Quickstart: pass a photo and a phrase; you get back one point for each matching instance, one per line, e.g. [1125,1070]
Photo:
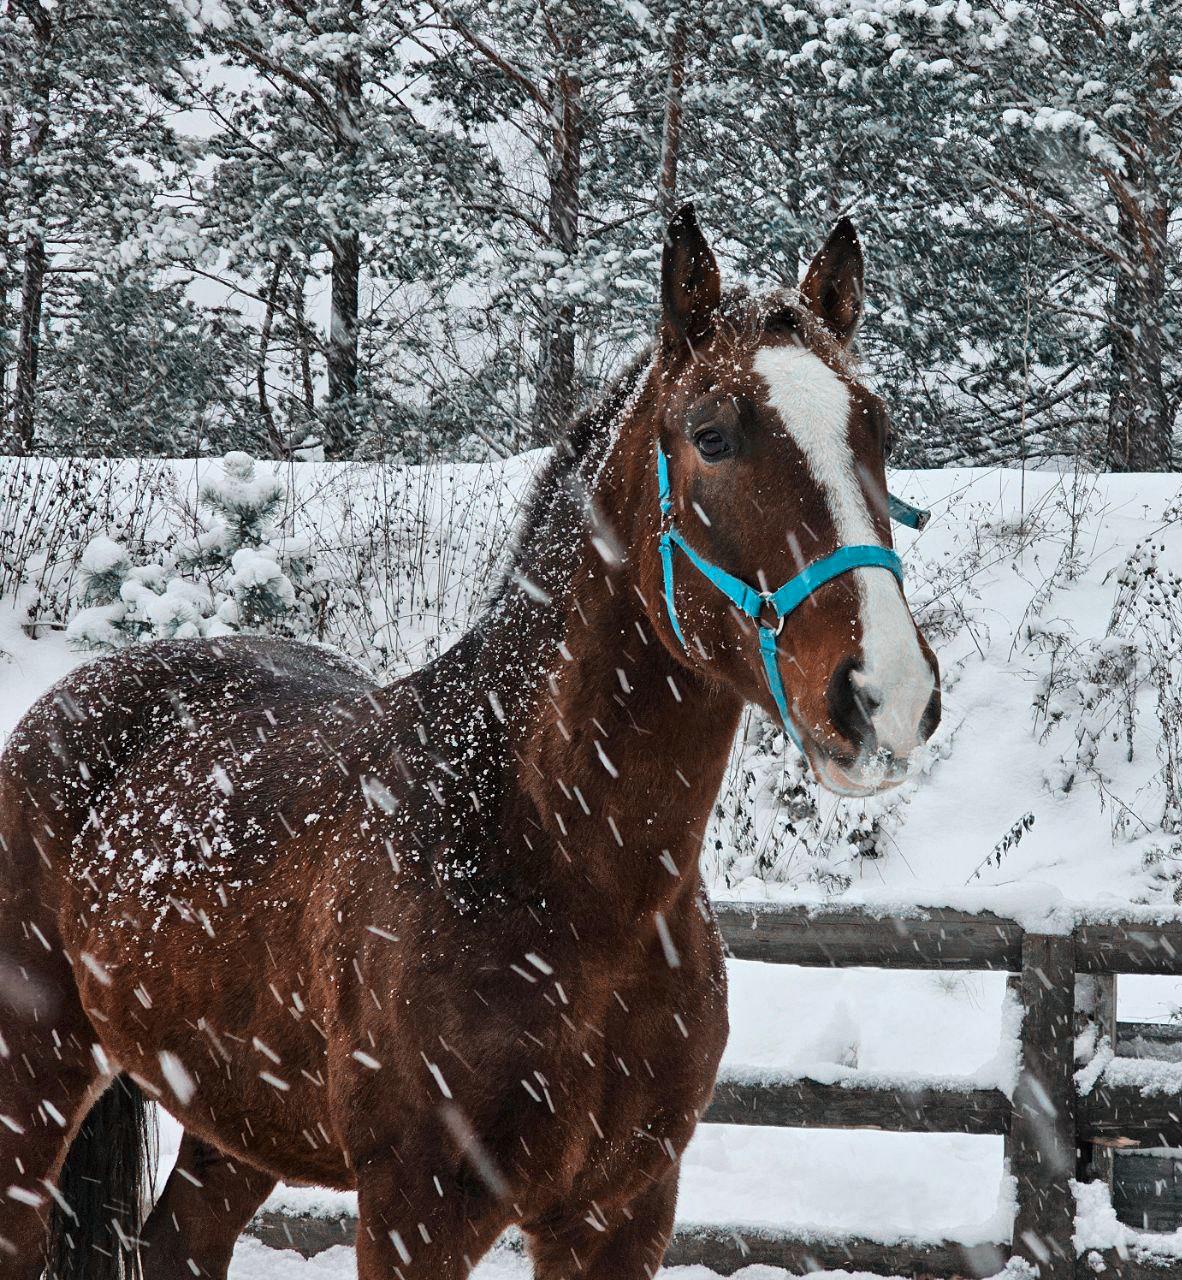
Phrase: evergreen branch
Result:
[266,63]
[1060,223]
[490,54]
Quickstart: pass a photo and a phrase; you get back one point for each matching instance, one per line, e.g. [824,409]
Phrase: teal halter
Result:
[790,596]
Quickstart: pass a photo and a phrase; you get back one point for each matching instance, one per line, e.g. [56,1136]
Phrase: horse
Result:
[444,941]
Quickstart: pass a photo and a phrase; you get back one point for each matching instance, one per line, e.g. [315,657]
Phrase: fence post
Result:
[1095,1004]
[1042,1133]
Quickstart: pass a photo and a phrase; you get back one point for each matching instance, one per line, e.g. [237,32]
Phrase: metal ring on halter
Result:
[767,598]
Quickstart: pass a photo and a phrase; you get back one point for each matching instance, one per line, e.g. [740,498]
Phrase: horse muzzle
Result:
[884,733]
[864,775]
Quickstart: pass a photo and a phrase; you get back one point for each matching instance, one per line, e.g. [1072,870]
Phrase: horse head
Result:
[777,574]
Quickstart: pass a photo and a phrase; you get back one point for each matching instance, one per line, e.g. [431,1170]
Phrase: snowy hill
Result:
[1052,600]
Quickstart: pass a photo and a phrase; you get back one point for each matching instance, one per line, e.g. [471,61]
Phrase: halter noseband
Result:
[755,604]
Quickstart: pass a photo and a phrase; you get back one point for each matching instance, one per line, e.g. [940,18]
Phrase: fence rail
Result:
[903,1106]
[935,938]
[1053,1134]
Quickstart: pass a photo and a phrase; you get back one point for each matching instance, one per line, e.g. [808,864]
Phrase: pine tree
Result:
[326,168]
[551,92]
[244,550]
[239,573]
[85,146]
[480,190]
[1065,129]
[140,369]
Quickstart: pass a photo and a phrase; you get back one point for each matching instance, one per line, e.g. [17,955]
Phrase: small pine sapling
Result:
[245,509]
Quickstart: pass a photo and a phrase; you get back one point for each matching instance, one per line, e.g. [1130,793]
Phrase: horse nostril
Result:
[852,704]
[866,695]
[931,716]
[893,767]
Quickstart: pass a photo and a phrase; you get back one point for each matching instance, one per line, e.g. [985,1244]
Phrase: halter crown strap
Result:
[784,601]
[904,513]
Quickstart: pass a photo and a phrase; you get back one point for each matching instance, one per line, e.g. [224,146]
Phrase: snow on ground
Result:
[252,1261]
[1016,579]
[1019,577]
[1000,569]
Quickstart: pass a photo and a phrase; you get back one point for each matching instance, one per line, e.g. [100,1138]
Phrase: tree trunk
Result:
[278,445]
[342,408]
[342,345]
[5,249]
[35,263]
[671,134]
[28,343]
[554,406]
[304,334]
[1140,416]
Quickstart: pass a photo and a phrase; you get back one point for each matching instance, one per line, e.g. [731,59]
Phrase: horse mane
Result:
[557,503]
[592,429]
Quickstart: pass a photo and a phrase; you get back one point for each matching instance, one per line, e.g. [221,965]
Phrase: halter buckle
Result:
[778,626]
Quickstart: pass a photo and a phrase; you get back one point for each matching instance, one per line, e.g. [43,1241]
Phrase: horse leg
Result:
[48,1082]
[438,1230]
[38,1126]
[207,1201]
[624,1241]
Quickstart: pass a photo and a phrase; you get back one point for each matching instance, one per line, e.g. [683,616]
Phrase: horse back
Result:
[80,739]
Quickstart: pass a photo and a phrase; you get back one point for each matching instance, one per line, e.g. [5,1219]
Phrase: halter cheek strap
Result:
[755,604]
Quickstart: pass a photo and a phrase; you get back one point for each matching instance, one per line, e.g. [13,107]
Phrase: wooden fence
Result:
[1052,1134]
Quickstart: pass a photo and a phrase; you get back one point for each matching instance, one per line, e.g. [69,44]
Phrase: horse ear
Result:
[690,283]
[833,284]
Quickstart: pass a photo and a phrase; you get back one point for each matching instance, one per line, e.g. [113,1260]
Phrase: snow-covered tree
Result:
[328,167]
[397,230]
[1056,131]
[560,98]
[243,546]
[138,368]
[86,149]
[124,603]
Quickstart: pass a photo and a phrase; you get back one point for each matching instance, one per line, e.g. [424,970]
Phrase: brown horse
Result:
[445,941]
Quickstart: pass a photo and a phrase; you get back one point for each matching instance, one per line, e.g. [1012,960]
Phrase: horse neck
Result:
[618,747]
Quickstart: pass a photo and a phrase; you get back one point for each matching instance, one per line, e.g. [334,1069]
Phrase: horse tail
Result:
[103,1191]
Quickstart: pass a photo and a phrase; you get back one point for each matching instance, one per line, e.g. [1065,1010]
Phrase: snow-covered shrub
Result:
[387,563]
[245,508]
[230,576]
[126,602]
[111,589]
[262,591]
[1101,689]
[50,509]
[105,566]
[268,577]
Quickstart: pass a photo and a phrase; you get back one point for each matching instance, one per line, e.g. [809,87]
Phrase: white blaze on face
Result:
[814,404]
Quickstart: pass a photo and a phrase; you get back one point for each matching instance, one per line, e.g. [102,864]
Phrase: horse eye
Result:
[880,424]
[888,437]
[712,445]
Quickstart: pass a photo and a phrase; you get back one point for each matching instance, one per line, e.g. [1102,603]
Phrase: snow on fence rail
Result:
[1060,1127]
[938,938]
